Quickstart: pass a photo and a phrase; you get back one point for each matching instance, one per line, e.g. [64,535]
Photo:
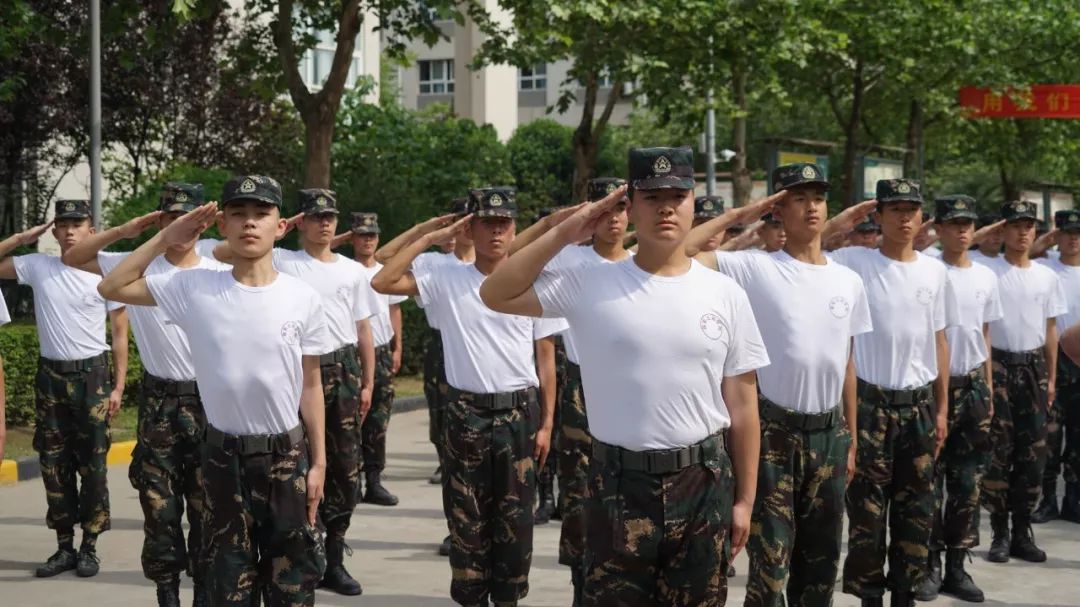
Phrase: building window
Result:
[316,63]
[533,78]
[437,77]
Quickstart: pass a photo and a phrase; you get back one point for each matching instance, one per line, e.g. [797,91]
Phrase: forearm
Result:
[313,412]
[517,274]
[744,437]
[699,236]
[87,249]
[941,384]
[131,268]
[10,243]
[988,366]
[545,366]
[366,347]
[395,322]
[395,267]
[1051,349]
[120,353]
[223,253]
[393,247]
[531,233]
[851,400]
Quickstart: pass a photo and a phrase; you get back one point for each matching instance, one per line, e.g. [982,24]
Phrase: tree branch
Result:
[283,40]
[348,27]
[609,106]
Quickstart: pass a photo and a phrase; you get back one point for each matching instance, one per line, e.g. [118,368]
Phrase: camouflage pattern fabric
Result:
[378,418]
[490,476]
[574,454]
[435,388]
[341,392]
[963,460]
[894,469]
[658,539]
[72,436]
[256,538]
[1018,438]
[166,470]
[798,519]
[1061,426]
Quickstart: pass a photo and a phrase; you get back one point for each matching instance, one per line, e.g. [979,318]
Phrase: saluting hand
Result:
[446,234]
[134,227]
[984,232]
[189,226]
[580,220]
[290,224]
[29,237]
[436,223]
[846,220]
[316,479]
[759,208]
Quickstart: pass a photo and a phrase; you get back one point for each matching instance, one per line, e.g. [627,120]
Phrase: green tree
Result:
[542,163]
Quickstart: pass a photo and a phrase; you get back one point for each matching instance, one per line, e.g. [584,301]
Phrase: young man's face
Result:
[70,232]
[1068,243]
[491,235]
[993,241]
[803,213]
[715,240]
[899,221]
[251,227]
[319,229]
[1019,235]
[864,239]
[956,235]
[364,245]
[773,236]
[611,228]
[662,216]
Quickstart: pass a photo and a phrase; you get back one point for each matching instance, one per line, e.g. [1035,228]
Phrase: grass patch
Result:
[408,385]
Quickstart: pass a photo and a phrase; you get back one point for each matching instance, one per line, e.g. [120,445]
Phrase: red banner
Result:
[1036,101]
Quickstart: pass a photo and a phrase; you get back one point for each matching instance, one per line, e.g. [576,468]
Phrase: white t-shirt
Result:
[654,349]
[569,257]
[1029,296]
[5,316]
[972,300]
[979,257]
[382,331]
[344,286]
[932,251]
[1070,284]
[163,347]
[70,313]
[486,352]
[423,264]
[907,307]
[807,315]
[247,344]
[205,247]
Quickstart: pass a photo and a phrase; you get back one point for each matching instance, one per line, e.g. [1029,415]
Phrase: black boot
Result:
[957,582]
[901,598]
[62,560]
[874,602]
[931,584]
[577,578]
[88,563]
[202,597]
[336,577]
[168,593]
[376,493]
[1047,510]
[436,478]
[547,499]
[1023,543]
[999,544]
[444,547]
[1070,506]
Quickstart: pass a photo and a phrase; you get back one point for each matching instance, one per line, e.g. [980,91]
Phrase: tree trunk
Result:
[851,136]
[742,184]
[318,137]
[1009,191]
[914,140]
[586,139]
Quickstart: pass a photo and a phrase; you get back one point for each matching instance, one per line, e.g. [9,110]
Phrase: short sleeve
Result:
[365,301]
[171,292]
[316,338]
[860,314]
[992,311]
[737,265]
[546,327]
[205,247]
[1056,303]
[108,261]
[558,291]
[5,316]
[396,299]
[432,292]
[746,352]
[846,256]
[26,267]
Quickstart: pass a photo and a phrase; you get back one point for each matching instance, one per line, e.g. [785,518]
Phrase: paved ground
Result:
[395,550]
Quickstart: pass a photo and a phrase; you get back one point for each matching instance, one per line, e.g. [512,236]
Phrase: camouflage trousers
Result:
[574,454]
[341,393]
[658,539]
[435,388]
[546,477]
[1018,435]
[166,470]
[490,479]
[893,484]
[1063,427]
[798,519]
[373,430]
[960,467]
[256,538]
[71,435]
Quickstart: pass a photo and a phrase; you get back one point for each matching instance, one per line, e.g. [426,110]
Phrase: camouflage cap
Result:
[258,188]
[317,201]
[459,206]
[661,168]
[735,229]
[365,223]
[1018,209]
[898,190]
[769,218]
[72,209]
[180,197]
[796,175]
[867,225]
[600,187]
[957,206]
[493,202]
[1067,221]
[707,207]
[986,219]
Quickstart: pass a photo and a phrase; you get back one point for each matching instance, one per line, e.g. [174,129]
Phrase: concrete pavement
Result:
[394,550]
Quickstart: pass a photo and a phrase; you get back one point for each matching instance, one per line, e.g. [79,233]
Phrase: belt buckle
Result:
[661,462]
[255,443]
[503,401]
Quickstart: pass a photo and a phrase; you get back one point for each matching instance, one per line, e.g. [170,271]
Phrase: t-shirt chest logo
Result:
[924,296]
[90,300]
[711,326]
[980,296]
[343,292]
[290,332]
[839,306]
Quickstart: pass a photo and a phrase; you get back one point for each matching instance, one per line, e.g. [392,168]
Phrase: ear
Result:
[220,220]
[281,223]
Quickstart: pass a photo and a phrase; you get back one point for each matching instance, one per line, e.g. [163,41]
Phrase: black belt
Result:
[660,461]
[337,356]
[251,444]
[74,366]
[902,398]
[169,387]
[978,374]
[1016,358]
[806,422]
[501,401]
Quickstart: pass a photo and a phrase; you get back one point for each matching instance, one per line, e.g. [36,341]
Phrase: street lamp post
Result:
[95,111]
